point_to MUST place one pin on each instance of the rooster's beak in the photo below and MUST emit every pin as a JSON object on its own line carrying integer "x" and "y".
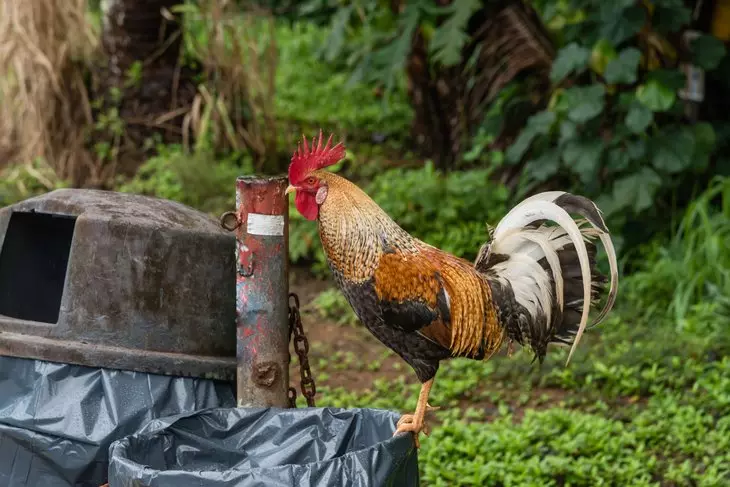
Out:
{"x": 290, "y": 189}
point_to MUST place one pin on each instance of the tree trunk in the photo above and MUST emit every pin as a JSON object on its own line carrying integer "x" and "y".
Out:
{"x": 144, "y": 87}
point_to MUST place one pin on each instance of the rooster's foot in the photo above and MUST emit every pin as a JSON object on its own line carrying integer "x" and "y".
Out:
{"x": 411, "y": 423}
{"x": 408, "y": 418}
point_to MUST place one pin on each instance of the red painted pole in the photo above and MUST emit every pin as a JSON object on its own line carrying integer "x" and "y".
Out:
{"x": 262, "y": 291}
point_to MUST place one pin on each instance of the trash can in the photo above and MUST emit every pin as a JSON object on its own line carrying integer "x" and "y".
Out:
{"x": 57, "y": 420}
{"x": 115, "y": 309}
{"x": 267, "y": 447}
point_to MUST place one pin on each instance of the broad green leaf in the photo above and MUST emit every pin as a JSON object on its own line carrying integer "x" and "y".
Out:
{"x": 617, "y": 159}
{"x": 626, "y": 98}
{"x": 705, "y": 136}
{"x": 538, "y": 124}
{"x": 619, "y": 25}
{"x": 496, "y": 158}
{"x": 569, "y": 59}
{"x": 636, "y": 149}
{"x": 584, "y": 103}
{"x": 544, "y": 167}
{"x": 568, "y": 131}
{"x": 708, "y": 51}
{"x": 673, "y": 150}
{"x": 602, "y": 53}
{"x": 638, "y": 189}
{"x": 583, "y": 158}
{"x": 623, "y": 69}
{"x": 656, "y": 96}
{"x": 638, "y": 118}
{"x": 449, "y": 39}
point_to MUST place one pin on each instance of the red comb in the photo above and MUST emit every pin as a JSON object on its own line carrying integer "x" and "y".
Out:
{"x": 306, "y": 159}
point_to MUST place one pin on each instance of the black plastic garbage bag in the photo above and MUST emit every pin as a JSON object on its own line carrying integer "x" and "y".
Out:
{"x": 268, "y": 447}
{"x": 57, "y": 420}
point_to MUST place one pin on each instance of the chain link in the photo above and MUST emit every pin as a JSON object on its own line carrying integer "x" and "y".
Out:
{"x": 301, "y": 347}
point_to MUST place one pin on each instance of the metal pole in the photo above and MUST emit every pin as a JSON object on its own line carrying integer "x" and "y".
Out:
{"x": 262, "y": 291}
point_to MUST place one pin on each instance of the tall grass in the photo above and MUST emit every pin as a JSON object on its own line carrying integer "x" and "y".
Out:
{"x": 234, "y": 109}
{"x": 44, "y": 106}
{"x": 687, "y": 277}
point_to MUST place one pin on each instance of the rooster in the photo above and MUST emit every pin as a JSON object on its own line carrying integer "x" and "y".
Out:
{"x": 531, "y": 283}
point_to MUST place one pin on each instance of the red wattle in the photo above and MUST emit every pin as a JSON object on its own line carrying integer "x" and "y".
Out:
{"x": 306, "y": 204}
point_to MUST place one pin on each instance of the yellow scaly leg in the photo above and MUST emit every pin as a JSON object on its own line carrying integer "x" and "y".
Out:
{"x": 415, "y": 422}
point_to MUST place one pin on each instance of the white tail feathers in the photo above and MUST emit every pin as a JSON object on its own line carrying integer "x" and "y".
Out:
{"x": 523, "y": 239}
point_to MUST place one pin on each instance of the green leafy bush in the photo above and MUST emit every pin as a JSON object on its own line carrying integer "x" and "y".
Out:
{"x": 375, "y": 42}
{"x": 614, "y": 127}
{"x": 197, "y": 179}
{"x": 448, "y": 211}
{"x": 680, "y": 444}
{"x": 312, "y": 93}
{"x": 22, "y": 181}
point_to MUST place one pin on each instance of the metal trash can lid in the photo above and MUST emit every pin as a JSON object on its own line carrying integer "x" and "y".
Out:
{"x": 117, "y": 280}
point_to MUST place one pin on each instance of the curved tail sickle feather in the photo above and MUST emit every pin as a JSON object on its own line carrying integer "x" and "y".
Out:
{"x": 545, "y": 276}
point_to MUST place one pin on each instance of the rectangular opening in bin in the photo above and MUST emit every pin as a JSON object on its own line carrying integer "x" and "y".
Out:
{"x": 33, "y": 263}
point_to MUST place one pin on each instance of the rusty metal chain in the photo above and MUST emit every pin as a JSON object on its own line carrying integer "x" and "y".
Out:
{"x": 301, "y": 347}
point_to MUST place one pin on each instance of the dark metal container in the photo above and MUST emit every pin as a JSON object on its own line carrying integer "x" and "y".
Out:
{"x": 116, "y": 280}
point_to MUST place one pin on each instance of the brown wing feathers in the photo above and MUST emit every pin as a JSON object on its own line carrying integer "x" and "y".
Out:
{"x": 441, "y": 297}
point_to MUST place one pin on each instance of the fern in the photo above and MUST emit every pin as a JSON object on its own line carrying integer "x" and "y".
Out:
{"x": 449, "y": 39}
{"x": 337, "y": 37}
{"x": 395, "y": 54}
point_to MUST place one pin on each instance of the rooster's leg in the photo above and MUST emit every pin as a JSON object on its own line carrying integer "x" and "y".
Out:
{"x": 415, "y": 422}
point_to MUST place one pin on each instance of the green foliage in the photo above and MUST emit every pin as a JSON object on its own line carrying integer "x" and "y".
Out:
{"x": 23, "y": 181}
{"x": 332, "y": 305}
{"x": 614, "y": 128}
{"x": 572, "y": 59}
{"x": 687, "y": 276}
{"x": 376, "y": 42}
{"x": 449, "y": 211}
{"x": 623, "y": 69}
{"x": 708, "y": 51}
{"x": 510, "y": 103}
{"x": 315, "y": 94}
{"x": 563, "y": 447}
{"x": 449, "y": 39}
{"x": 197, "y": 179}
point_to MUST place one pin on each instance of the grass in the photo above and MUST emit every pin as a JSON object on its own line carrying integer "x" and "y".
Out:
{"x": 645, "y": 402}
{"x": 44, "y": 105}
{"x": 234, "y": 109}
{"x": 687, "y": 277}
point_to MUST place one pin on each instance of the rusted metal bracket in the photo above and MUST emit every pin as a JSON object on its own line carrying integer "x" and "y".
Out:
{"x": 261, "y": 223}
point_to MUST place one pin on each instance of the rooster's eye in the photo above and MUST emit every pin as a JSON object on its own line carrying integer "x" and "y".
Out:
{"x": 310, "y": 180}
